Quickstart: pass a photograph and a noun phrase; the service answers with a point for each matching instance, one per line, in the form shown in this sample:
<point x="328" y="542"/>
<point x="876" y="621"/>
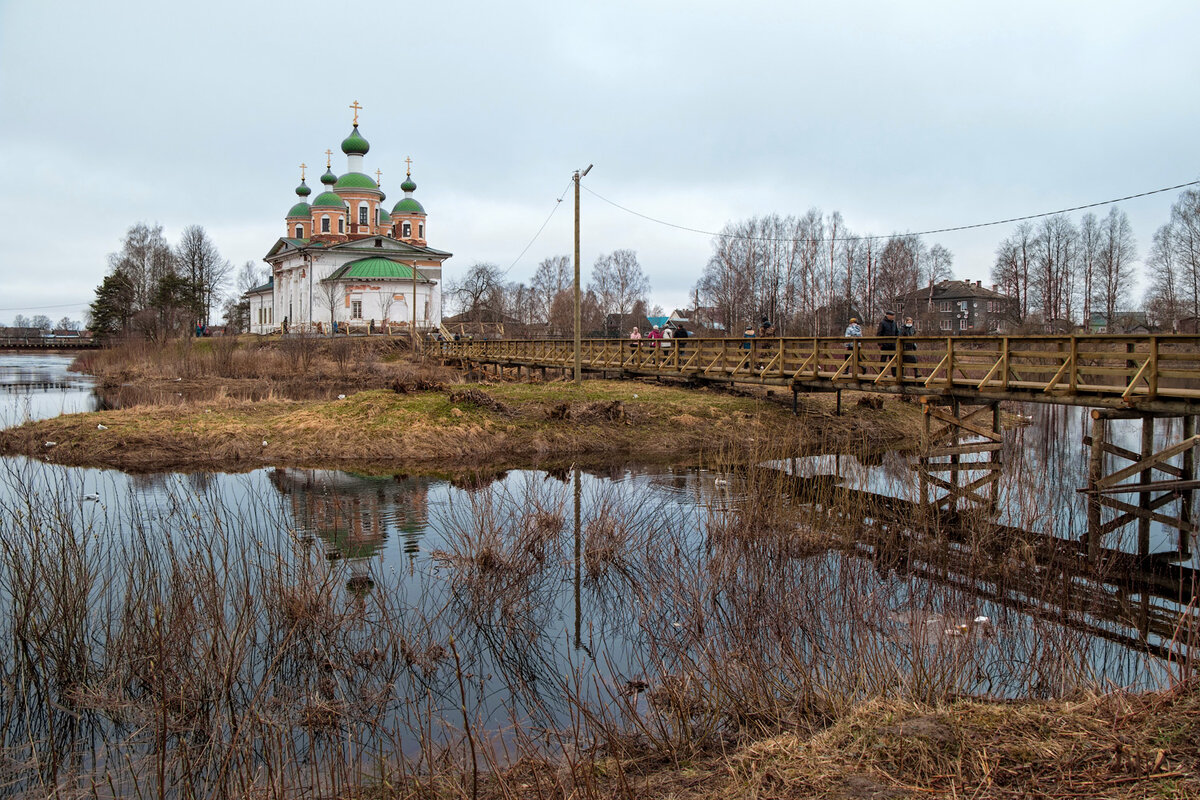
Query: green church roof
<point x="300" y="210"/>
<point x="355" y="180"/>
<point x="329" y="200"/>
<point x="355" y="144"/>
<point x="408" y="205"/>
<point x="375" y="267"/>
<point x="303" y="189"/>
<point x="408" y="185"/>
<point x="329" y="179"/>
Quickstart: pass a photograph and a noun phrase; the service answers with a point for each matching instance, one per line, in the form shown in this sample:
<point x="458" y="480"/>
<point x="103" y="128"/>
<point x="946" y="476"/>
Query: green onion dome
<point x="355" y="144"/>
<point x="329" y="200"/>
<point x="301" y="209"/>
<point x="408" y="185"/>
<point x="329" y="179"/>
<point x="355" y="180"/>
<point x="408" y="205"/>
<point x="303" y="189"/>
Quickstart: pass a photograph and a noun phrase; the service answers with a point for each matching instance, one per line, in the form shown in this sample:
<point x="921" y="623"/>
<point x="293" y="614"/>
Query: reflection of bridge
<point x="1098" y="593"/>
<point x="46" y="343"/>
<point x="25" y="387"/>
<point x="961" y="380"/>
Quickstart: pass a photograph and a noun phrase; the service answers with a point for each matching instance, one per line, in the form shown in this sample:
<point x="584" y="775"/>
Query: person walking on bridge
<point x="888" y="328"/>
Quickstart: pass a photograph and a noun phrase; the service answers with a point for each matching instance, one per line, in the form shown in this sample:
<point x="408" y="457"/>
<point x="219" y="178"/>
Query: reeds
<point x="564" y="632"/>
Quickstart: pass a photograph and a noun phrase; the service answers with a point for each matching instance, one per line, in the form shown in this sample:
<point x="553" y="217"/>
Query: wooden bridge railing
<point x="1151" y="372"/>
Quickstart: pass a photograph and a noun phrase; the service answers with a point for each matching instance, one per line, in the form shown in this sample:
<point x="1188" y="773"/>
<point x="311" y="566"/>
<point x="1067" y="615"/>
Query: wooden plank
<point x="962" y="466"/>
<point x="962" y="449"/>
<point x="1140" y="488"/>
<point x="1130" y="455"/>
<point x="1134" y="380"/>
<point x="962" y="422"/>
<point x="1133" y="512"/>
<point x="1157" y="458"/>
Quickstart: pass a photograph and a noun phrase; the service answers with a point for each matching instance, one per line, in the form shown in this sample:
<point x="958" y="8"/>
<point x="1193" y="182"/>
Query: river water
<point x="533" y="598"/>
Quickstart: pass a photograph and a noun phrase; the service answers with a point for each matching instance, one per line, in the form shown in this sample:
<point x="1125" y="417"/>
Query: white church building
<point x="346" y="259"/>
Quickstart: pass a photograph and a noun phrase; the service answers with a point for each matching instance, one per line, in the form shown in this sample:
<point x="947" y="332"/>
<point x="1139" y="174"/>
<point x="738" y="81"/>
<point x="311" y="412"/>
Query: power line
<point x="553" y="209"/>
<point x="43" y="308"/>
<point x="888" y="236"/>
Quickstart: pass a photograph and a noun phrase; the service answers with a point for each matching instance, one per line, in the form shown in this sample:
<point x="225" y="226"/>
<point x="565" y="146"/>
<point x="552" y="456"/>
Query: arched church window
<point x="420" y="230"/>
<point x="341" y="225"/>
<point x="299" y="231"/>
<point x="362" y="214"/>
<point x="406" y="229"/>
<point x="324" y="224"/>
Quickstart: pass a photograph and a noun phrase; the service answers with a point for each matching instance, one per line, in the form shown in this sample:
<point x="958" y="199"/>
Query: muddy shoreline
<point x="454" y="429"/>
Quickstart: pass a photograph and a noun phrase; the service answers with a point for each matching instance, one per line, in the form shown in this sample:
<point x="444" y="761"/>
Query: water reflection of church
<point x="354" y="514"/>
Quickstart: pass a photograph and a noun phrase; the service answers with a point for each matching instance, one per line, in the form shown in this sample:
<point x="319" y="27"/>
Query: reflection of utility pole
<point x="578" y="553"/>
<point x="578" y="315"/>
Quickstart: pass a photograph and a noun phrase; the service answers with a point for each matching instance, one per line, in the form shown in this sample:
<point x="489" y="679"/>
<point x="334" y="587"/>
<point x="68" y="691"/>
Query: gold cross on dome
<point x="328" y="159"/>
<point x="409" y="162"/>
<point x="303" y="167"/>
<point x="356" y="108"/>
<point x="378" y="172"/>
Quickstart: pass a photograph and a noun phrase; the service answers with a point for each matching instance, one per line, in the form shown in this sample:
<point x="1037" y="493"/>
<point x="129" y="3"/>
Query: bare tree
<point x="1054" y="256"/>
<point x="478" y="291"/>
<point x="145" y="258"/>
<point x="251" y="274"/>
<point x="1163" y="300"/>
<point x="553" y="275"/>
<point x="1088" y="257"/>
<point x="198" y="260"/>
<point x="1014" y="266"/>
<point x="1117" y="254"/>
<point x="618" y="282"/>
<point x="329" y="294"/>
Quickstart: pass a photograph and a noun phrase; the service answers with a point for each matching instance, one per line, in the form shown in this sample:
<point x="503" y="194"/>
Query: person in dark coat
<point x="908" y="329"/>
<point x="888" y="328"/>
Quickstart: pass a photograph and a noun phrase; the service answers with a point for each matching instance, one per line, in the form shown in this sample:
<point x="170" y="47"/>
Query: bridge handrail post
<point x="949" y="361"/>
<point x="1073" y="382"/>
<point x="1006" y="355"/>
<point x="1152" y="377"/>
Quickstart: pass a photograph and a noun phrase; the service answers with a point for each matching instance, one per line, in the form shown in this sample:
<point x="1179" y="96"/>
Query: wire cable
<point x="888" y="236"/>
<point x="557" y="203"/>
<point x="43" y="308"/>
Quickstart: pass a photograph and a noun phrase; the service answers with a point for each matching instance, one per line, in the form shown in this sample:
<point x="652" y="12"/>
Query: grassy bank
<point x="497" y="425"/>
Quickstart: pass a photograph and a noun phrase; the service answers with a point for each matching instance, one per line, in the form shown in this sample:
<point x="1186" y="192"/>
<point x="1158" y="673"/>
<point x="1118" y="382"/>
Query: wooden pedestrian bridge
<point x="961" y="381"/>
<point x="1151" y="373"/>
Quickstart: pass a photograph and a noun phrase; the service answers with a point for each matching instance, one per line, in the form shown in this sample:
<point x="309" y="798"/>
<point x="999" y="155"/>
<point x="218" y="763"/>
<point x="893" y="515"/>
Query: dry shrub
<point x="480" y="400"/>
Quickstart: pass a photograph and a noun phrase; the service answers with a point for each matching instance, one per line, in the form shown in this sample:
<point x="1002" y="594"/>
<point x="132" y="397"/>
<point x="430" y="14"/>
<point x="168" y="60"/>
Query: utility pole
<point x="578" y="313"/>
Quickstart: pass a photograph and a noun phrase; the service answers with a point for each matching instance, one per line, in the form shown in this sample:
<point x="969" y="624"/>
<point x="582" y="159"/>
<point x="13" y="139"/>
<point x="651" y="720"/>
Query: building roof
<point x="328" y="200"/>
<point x="355" y="144"/>
<point x="375" y="268"/>
<point x="301" y="209"/>
<point x="408" y="205"/>
<point x="355" y="180"/>
<point x="266" y="287"/>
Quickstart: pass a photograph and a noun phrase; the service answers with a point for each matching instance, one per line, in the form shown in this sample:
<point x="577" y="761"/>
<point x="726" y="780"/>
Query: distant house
<point x="957" y="307"/>
<point x="699" y="319"/>
<point x="618" y="326"/>
<point x="1122" y="322"/>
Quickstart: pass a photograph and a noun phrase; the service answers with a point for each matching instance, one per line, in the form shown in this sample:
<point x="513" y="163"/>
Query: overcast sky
<point x="902" y="116"/>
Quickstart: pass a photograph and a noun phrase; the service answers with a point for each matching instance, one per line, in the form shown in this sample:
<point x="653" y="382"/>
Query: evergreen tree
<point x="111" y="313"/>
